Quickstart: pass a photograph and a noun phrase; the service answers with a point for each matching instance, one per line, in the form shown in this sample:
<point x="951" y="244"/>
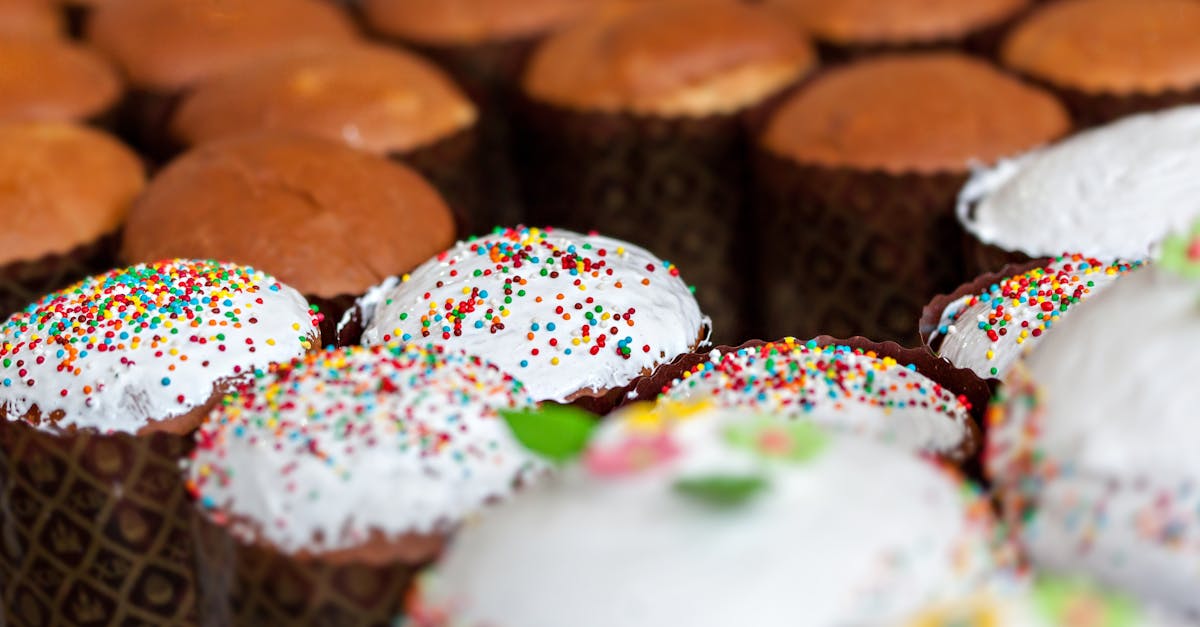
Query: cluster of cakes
<point x="440" y="312"/>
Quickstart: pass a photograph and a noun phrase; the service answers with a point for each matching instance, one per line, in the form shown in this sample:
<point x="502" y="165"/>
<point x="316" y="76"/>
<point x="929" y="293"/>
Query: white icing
<point x="813" y="548"/>
<point x="154" y="373"/>
<point x="966" y="324"/>
<point x="1112" y="192"/>
<point x="1095" y="435"/>
<point x="896" y="405"/>
<point x="666" y="318"/>
<point x="409" y="440"/>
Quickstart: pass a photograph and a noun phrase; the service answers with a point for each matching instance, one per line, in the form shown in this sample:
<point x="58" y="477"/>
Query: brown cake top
<point x="897" y="22"/>
<point x="467" y="22"/>
<point x="52" y="79"/>
<point x="164" y="45"/>
<point x="1110" y="45"/>
<point x="921" y="112"/>
<point x="61" y="186"/>
<point x="320" y="216"/>
<point x="30" y="18"/>
<point x="373" y="98"/>
<point x="670" y="58"/>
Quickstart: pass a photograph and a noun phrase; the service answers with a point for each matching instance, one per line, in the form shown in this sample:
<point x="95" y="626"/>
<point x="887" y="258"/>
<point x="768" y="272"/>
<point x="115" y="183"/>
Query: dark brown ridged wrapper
<point x="95" y="529"/>
<point x="1090" y="109"/>
<point x="25" y="282"/>
<point x="143" y="119"/>
<point x="453" y="166"/>
<point x="489" y="73"/>
<point x="247" y="585"/>
<point x="983" y="258"/>
<point x="677" y="186"/>
<point x="853" y="252"/>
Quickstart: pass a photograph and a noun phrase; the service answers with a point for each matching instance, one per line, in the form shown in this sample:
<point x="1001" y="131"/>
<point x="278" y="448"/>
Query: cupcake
<point x="850" y="28"/>
<point x="53" y="80"/>
<point x="64" y="192"/>
<point x="985" y="325"/>
<point x="29" y="18"/>
<point x="636" y="123"/>
<point x="576" y="318"/>
<point x="326" y="219"/>
<point x="855" y="390"/>
<point x="1088" y="445"/>
<point x="165" y="46"/>
<point x="483" y="44"/>
<point x="1110" y="58"/>
<point x="100" y="387"/>
<point x="718" y="518"/>
<point x="385" y="102"/>
<point x="326" y="483"/>
<point x="1110" y="193"/>
<point x="857" y="175"/>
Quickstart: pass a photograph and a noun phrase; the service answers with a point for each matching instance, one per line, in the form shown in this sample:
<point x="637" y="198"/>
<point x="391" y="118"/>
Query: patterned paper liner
<point x="251" y="585"/>
<point x="489" y="72"/>
<point x="853" y="252"/>
<point x="24" y="282"/>
<point x="94" y="530"/>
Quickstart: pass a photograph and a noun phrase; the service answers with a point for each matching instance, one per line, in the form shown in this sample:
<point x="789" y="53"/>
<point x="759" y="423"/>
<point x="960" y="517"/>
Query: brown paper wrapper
<point x="452" y="165"/>
<point x="332" y="308"/>
<point x="489" y="73"/>
<point x="94" y="530"/>
<point x="982" y="258"/>
<point x="143" y="119"/>
<point x="849" y="252"/>
<point x="24" y="282"/>
<point x="248" y="585"/>
<point x="1090" y="109"/>
<point x="678" y="187"/>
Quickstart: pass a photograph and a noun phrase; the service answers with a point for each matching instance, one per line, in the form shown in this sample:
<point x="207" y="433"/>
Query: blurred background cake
<point x="635" y="123"/>
<point x="1110" y="58"/>
<point x="858" y="173"/>
<point x="327" y="219"/>
<point x="379" y="100"/>
<point x="65" y="191"/>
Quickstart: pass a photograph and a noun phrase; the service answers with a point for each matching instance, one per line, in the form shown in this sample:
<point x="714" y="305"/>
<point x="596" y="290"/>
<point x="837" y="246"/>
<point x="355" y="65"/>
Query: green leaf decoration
<point x="723" y="491"/>
<point x="771" y="437"/>
<point x="1180" y="253"/>
<point x="1076" y="602"/>
<point x="559" y="433"/>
